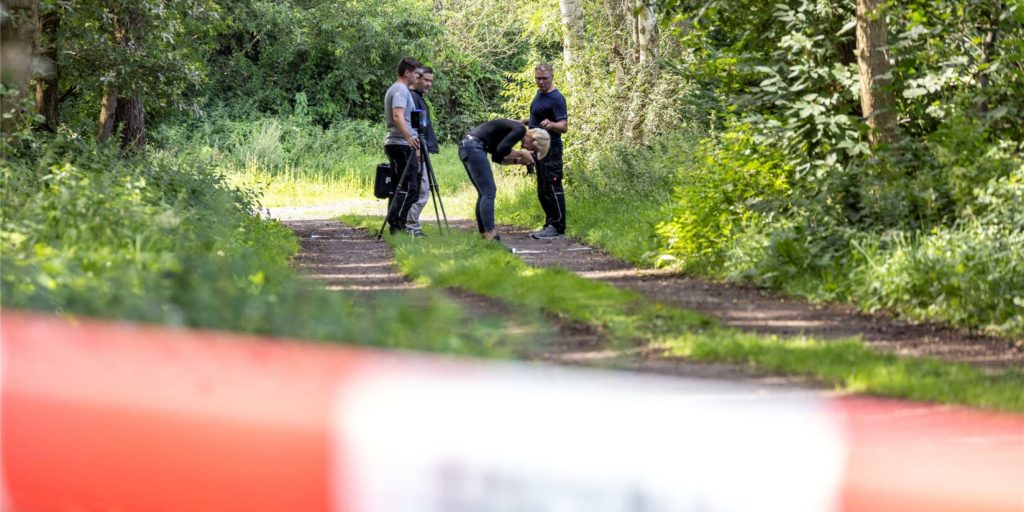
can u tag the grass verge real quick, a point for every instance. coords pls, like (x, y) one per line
(461, 260)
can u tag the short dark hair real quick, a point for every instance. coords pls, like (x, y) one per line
(408, 63)
(544, 66)
(426, 69)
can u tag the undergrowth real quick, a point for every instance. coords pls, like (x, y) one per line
(164, 240)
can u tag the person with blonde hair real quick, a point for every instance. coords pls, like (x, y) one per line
(497, 138)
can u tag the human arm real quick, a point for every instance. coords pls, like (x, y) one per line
(555, 126)
(518, 157)
(515, 134)
(398, 116)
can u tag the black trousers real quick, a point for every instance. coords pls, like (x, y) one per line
(549, 188)
(403, 158)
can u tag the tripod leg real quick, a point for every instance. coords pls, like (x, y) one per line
(435, 188)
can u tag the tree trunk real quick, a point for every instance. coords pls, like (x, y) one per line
(572, 21)
(132, 118)
(646, 33)
(876, 98)
(988, 48)
(108, 113)
(17, 34)
(48, 82)
(125, 112)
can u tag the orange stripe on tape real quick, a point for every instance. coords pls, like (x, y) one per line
(118, 417)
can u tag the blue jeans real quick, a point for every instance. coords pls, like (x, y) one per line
(478, 166)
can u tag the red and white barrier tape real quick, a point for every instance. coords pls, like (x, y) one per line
(101, 416)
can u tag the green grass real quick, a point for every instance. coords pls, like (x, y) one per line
(462, 260)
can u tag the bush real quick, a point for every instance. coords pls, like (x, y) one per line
(166, 241)
(719, 187)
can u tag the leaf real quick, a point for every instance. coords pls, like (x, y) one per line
(846, 28)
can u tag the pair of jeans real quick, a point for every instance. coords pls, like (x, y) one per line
(478, 167)
(549, 188)
(405, 163)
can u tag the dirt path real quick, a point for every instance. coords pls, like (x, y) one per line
(347, 258)
(754, 309)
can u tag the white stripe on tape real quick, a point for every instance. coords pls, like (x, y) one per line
(511, 438)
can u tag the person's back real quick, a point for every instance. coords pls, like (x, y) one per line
(398, 95)
(499, 136)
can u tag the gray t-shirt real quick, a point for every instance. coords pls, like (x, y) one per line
(398, 95)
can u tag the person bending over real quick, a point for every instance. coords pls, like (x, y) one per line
(497, 138)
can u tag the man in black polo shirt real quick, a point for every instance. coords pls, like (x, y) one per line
(548, 111)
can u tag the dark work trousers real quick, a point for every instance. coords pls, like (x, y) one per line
(478, 167)
(549, 188)
(408, 190)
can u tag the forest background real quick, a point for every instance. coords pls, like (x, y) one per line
(861, 151)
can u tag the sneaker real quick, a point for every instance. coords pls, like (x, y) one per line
(548, 233)
(415, 233)
(533, 234)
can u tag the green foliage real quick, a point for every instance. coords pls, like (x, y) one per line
(85, 232)
(160, 58)
(340, 55)
(721, 186)
(790, 195)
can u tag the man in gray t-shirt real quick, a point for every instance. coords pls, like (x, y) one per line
(402, 144)
(398, 96)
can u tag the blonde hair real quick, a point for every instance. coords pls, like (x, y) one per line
(541, 140)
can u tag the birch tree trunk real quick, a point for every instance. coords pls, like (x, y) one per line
(876, 98)
(646, 33)
(572, 22)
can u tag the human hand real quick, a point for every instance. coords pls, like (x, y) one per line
(545, 123)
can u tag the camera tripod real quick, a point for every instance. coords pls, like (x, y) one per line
(435, 190)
